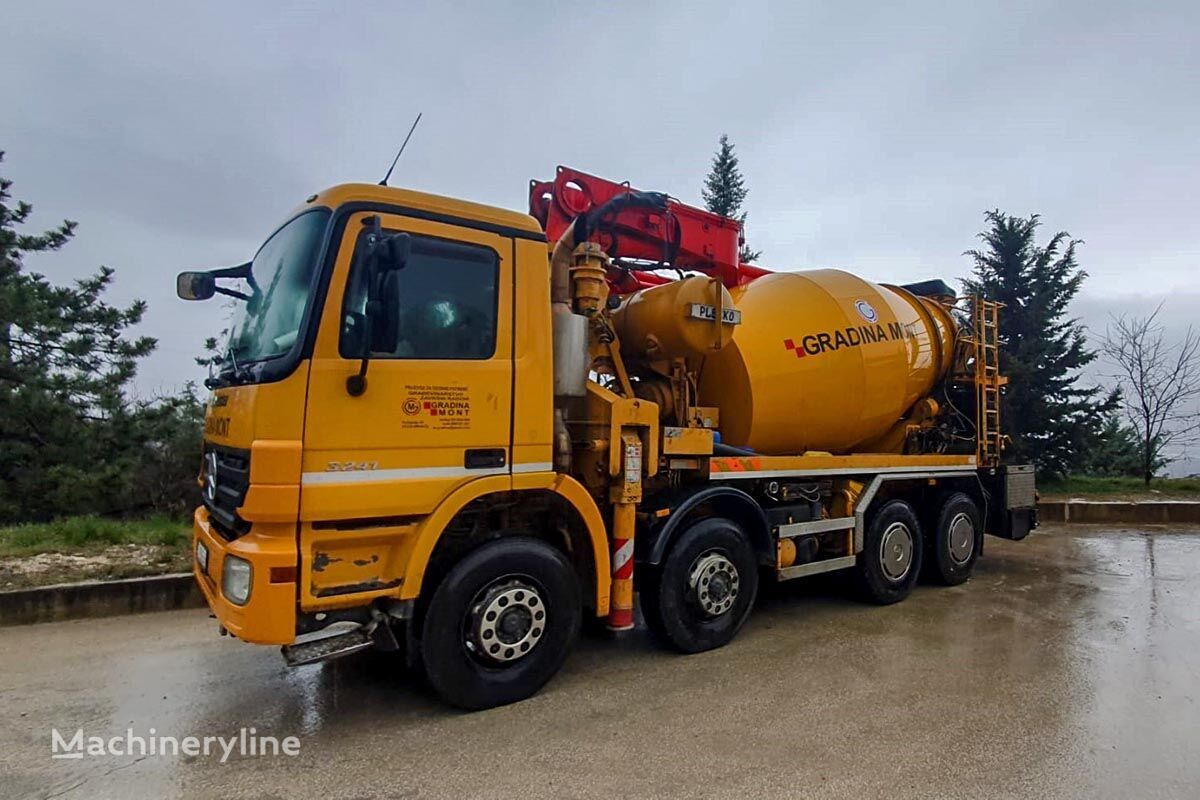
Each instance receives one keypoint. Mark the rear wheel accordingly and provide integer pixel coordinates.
(888, 566)
(701, 595)
(501, 623)
(956, 542)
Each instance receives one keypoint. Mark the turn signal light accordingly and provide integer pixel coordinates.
(283, 574)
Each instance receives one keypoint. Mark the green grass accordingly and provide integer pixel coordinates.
(89, 534)
(1183, 488)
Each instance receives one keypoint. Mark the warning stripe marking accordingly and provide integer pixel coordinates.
(623, 559)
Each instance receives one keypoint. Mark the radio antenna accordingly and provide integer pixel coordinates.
(400, 152)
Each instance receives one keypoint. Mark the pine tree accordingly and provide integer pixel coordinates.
(1051, 419)
(1116, 451)
(70, 439)
(725, 190)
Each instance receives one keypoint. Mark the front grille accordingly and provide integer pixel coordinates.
(224, 489)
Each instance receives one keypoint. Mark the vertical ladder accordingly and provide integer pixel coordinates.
(988, 380)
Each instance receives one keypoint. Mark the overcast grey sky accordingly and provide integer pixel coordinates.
(872, 136)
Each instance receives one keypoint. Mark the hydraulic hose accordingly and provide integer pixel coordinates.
(722, 449)
(582, 228)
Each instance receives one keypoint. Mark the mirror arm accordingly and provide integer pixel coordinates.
(356, 384)
(231, 293)
(240, 271)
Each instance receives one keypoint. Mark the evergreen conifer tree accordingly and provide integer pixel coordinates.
(725, 190)
(1051, 419)
(71, 441)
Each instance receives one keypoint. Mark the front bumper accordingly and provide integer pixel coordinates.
(269, 616)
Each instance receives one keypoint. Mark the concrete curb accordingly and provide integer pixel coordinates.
(99, 599)
(169, 592)
(1148, 512)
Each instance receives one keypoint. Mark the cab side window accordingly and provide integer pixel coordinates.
(442, 304)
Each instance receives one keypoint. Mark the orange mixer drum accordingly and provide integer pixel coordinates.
(824, 360)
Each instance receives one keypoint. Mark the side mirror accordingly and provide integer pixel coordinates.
(390, 253)
(381, 330)
(385, 321)
(195, 285)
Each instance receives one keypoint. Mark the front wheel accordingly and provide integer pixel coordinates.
(702, 593)
(501, 623)
(888, 566)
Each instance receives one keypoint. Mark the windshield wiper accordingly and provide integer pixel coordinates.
(231, 371)
(233, 360)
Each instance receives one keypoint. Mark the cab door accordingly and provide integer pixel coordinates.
(436, 410)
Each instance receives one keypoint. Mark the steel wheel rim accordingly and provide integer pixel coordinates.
(713, 583)
(505, 621)
(961, 538)
(895, 551)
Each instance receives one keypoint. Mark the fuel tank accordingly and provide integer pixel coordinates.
(824, 360)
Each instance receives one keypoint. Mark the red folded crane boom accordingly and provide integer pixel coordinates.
(641, 240)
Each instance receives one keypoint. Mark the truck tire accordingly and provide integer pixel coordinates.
(956, 541)
(501, 623)
(890, 562)
(699, 597)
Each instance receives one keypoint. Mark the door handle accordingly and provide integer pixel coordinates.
(484, 458)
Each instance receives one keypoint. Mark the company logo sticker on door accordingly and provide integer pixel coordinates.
(438, 407)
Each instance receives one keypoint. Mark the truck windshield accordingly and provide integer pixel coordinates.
(267, 324)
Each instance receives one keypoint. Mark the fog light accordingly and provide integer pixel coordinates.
(202, 556)
(236, 577)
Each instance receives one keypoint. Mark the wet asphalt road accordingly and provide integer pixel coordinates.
(1067, 667)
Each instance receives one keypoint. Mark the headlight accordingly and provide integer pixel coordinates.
(236, 577)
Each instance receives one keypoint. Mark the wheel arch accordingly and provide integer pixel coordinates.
(654, 539)
(587, 544)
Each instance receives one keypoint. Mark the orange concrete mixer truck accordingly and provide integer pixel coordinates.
(458, 432)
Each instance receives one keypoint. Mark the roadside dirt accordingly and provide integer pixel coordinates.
(109, 563)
